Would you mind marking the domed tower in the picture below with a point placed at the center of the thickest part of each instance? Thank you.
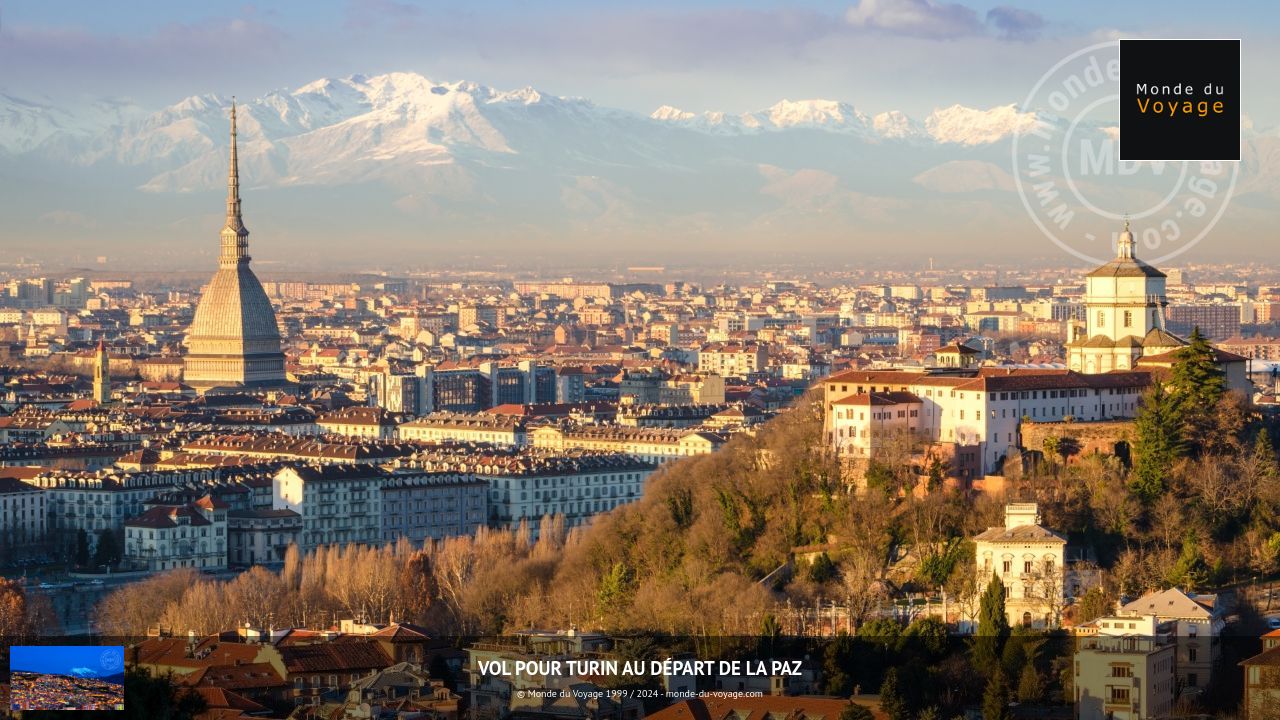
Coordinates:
(234, 340)
(1124, 314)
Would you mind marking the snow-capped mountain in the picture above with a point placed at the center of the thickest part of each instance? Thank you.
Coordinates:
(354, 129)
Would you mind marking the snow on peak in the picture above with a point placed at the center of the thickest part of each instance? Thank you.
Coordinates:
(668, 113)
(970, 126)
(895, 125)
(814, 113)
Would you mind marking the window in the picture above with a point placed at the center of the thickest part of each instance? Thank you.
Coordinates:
(1119, 694)
(1102, 317)
(1122, 671)
(1128, 318)
(1008, 565)
(1192, 654)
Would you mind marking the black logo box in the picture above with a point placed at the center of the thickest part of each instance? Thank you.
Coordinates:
(1187, 68)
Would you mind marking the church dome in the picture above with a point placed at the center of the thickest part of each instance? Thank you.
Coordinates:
(234, 308)
(1125, 263)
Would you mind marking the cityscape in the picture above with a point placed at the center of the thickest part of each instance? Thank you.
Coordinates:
(778, 474)
(53, 677)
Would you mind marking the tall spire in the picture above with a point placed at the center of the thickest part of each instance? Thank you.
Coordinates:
(235, 236)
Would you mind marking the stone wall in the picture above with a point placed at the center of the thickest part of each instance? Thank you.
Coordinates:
(1111, 437)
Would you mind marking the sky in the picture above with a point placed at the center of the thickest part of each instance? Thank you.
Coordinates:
(66, 659)
(909, 55)
(913, 56)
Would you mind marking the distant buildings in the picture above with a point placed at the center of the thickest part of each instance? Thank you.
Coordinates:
(261, 535)
(507, 430)
(1124, 314)
(429, 506)
(359, 422)
(733, 359)
(971, 418)
(651, 445)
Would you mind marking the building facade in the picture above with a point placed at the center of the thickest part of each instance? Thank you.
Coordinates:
(423, 507)
(1029, 561)
(339, 504)
(165, 537)
(1125, 671)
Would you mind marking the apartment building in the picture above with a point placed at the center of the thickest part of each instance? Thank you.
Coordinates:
(1126, 670)
(423, 506)
(178, 534)
(649, 444)
(576, 486)
(339, 504)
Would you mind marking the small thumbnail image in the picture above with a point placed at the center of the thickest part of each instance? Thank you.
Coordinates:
(66, 677)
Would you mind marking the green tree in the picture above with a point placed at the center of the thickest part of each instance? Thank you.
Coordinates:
(1198, 384)
(880, 476)
(854, 711)
(937, 472)
(893, 699)
(1159, 427)
(1190, 571)
(836, 659)
(1095, 603)
(1030, 687)
(82, 548)
(993, 626)
(108, 550)
(1195, 376)
(995, 699)
(615, 588)
(822, 570)
(927, 635)
(1051, 446)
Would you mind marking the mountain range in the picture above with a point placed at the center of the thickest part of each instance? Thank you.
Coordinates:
(412, 166)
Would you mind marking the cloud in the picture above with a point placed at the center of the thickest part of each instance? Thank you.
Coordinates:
(1013, 23)
(917, 18)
